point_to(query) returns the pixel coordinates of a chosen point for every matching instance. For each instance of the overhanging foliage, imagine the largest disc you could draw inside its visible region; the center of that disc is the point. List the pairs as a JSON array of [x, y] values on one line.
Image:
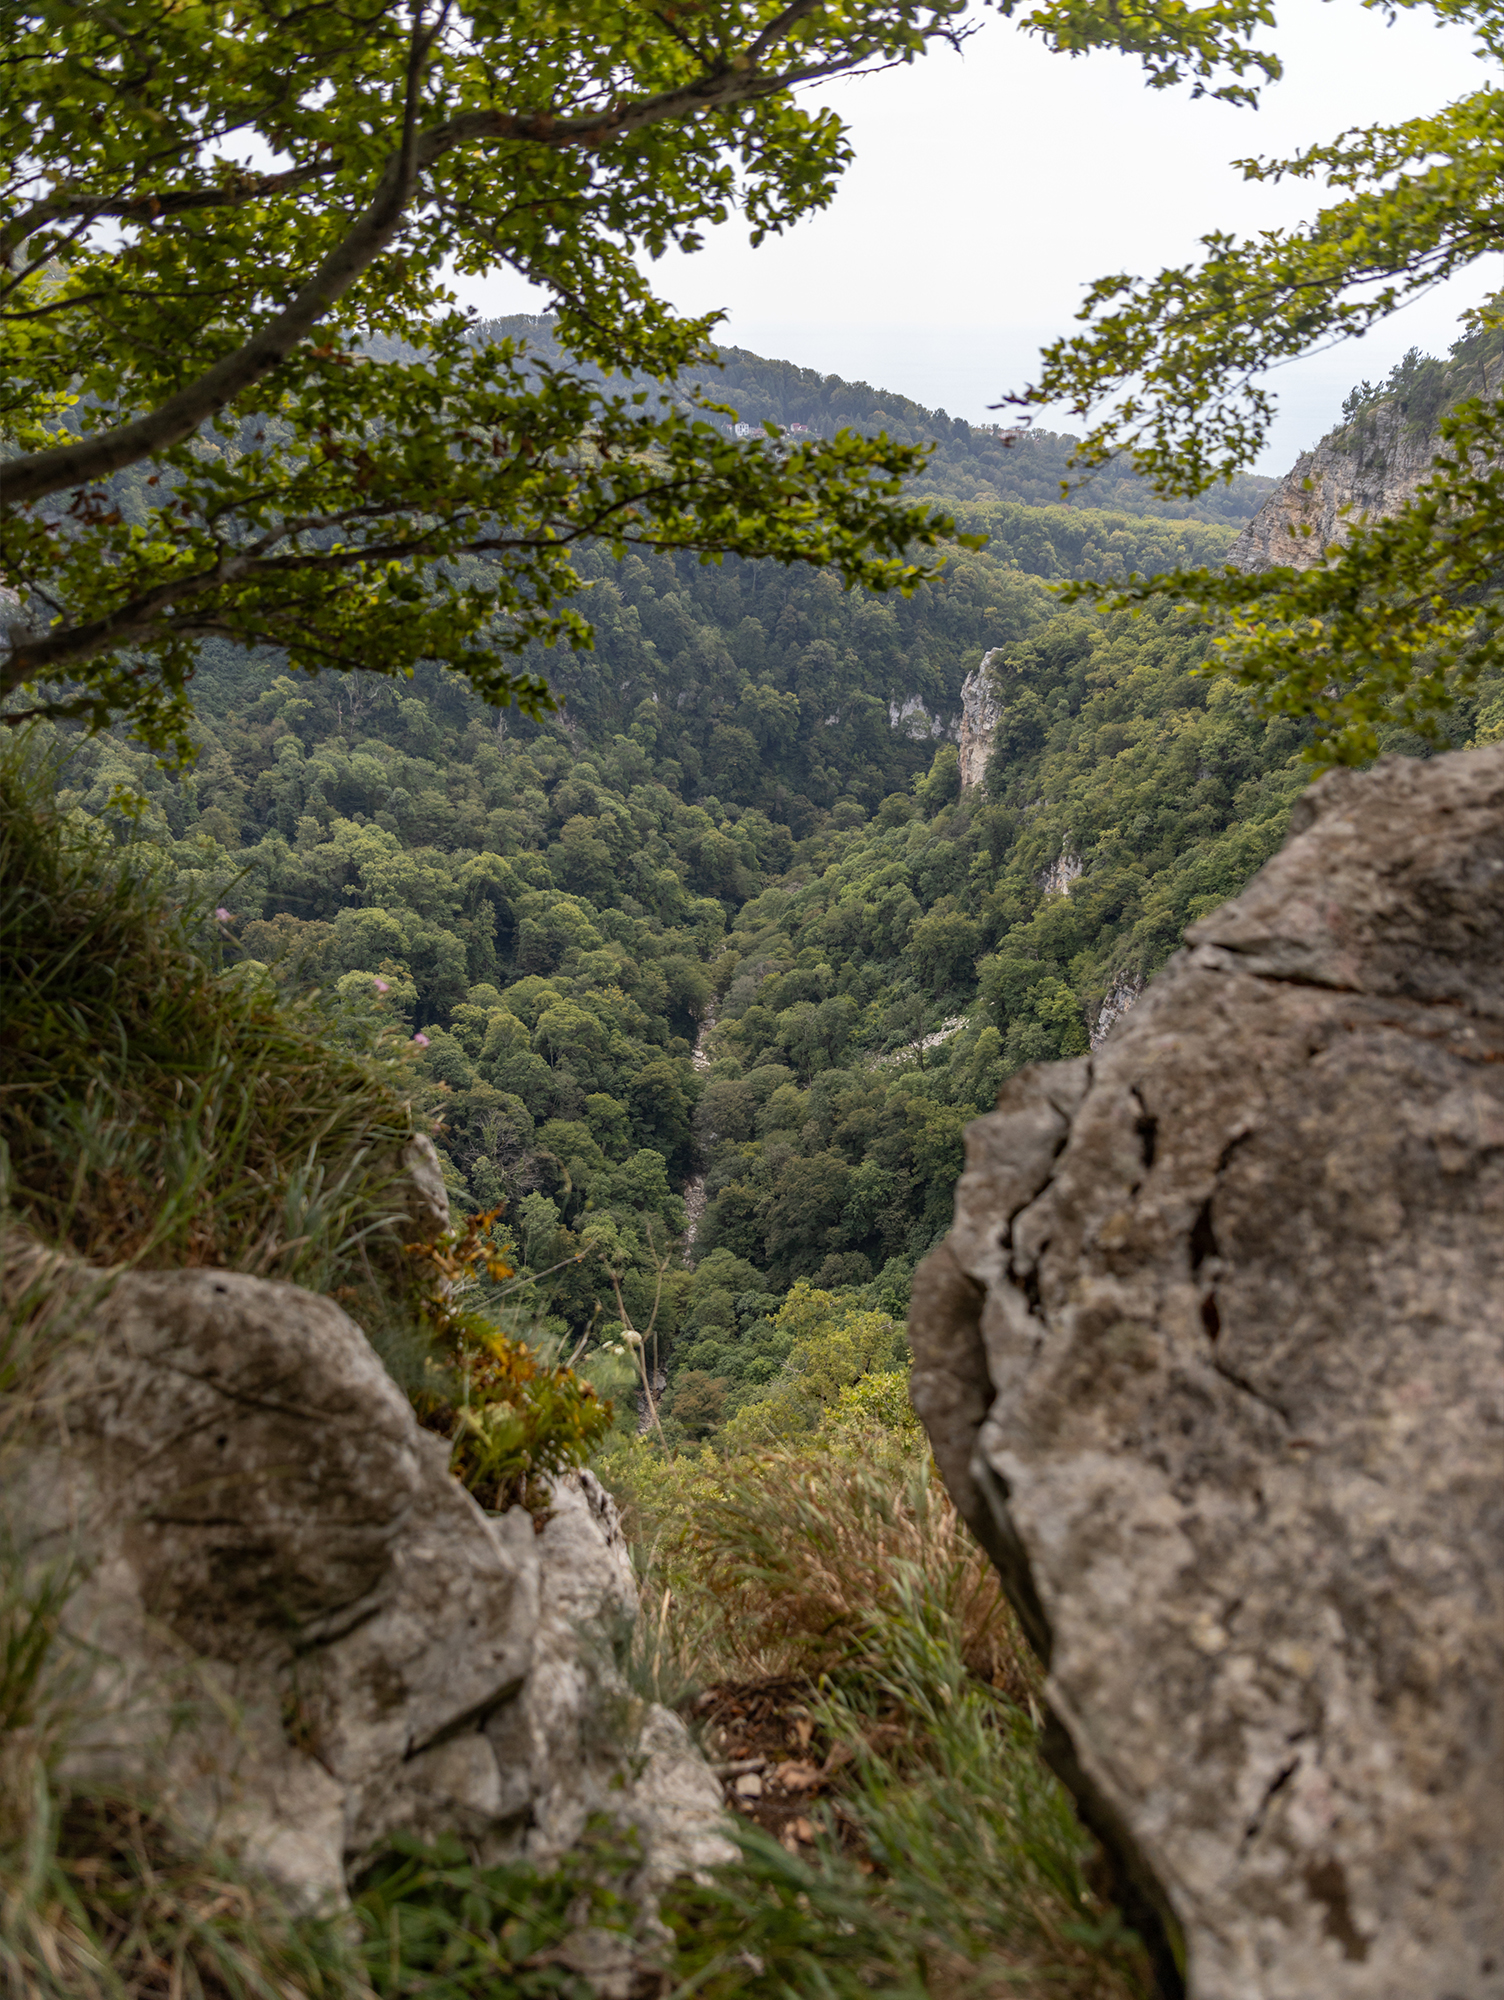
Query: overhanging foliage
[[226, 238], [1173, 366]]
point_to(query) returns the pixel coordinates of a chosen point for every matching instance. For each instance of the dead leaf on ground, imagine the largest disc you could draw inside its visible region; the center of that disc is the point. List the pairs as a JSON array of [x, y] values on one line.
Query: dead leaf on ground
[[797, 1777]]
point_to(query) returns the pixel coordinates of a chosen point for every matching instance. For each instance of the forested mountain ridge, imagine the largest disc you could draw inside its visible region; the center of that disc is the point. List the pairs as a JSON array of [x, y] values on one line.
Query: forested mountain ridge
[[1000, 462]]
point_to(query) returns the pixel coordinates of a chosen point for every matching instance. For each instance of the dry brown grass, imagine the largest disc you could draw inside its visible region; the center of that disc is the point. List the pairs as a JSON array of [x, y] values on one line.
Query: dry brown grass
[[836, 1611], [812, 1556]]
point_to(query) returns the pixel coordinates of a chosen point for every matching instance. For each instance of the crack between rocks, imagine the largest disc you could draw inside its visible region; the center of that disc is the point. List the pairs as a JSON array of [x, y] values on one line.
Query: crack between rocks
[[303, 1647], [1238, 1381], [303, 1412], [1146, 1126], [1362, 993], [1203, 1248], [473, 1718]]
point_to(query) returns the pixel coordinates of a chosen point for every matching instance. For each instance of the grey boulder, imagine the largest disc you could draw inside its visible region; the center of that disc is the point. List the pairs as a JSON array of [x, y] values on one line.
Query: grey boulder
[[1213, 1362], [304, 1634]]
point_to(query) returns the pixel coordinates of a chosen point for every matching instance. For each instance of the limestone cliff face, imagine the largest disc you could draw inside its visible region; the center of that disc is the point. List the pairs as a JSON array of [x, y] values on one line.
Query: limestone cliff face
[[981, 711], [1369, 467], [911, 718]]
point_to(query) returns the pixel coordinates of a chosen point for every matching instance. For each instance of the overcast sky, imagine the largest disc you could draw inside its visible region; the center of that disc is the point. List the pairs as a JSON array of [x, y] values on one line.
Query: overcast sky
[[990, 187]]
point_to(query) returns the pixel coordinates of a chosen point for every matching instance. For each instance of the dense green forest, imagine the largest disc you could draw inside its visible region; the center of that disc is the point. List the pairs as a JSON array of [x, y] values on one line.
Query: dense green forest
[[724, 824], [726, 929]]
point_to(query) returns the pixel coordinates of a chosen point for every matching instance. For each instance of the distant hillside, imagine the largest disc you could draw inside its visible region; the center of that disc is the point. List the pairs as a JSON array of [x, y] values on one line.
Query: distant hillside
[[972, 463]]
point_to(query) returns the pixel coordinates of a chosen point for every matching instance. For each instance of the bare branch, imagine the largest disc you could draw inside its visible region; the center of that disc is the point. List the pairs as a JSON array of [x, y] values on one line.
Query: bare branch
[[639, 1348]]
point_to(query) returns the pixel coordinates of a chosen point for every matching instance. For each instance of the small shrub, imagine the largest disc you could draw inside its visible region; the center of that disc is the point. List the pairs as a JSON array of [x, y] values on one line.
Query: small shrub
[[511, 1419], [878, 1402]]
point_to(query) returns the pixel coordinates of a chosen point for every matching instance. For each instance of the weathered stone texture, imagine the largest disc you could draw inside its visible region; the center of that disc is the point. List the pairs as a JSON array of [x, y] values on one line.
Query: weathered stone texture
[[1213, 1359], [306, 1632], [1366, 469], [981, 711]]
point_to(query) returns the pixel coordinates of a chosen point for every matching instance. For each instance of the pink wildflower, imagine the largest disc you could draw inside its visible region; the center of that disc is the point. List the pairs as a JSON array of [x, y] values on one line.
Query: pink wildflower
[[420, 1041], [223, 914], [381, 986]]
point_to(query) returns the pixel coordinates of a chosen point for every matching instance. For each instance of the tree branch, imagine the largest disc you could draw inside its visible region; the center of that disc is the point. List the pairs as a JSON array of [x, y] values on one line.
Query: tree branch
[[83, 461], [779, 26], [92, 458], [121, 207]]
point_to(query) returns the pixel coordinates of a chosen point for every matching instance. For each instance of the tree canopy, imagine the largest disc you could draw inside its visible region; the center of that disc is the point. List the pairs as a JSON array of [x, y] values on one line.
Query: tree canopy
[[226, 234], [1390, 628]]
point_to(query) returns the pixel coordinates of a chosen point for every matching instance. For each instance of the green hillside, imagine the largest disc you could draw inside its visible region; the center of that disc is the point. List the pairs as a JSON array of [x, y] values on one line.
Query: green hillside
[[726, 932], [732, 818]]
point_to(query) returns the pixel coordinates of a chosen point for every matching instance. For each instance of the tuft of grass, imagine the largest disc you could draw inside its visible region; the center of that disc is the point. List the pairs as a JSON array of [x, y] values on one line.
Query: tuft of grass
[[439, 1925], [157, 1111], [823, 1555], [775, 1926], [795, 1561], [974, 1842]]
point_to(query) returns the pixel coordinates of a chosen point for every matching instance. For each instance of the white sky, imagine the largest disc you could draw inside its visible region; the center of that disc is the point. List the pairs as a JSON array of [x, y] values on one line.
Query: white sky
[[992, 186]]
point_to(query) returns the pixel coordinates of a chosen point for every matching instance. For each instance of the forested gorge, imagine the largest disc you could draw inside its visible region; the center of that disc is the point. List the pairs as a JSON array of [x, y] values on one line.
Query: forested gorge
[[659, 793], [728, 925]]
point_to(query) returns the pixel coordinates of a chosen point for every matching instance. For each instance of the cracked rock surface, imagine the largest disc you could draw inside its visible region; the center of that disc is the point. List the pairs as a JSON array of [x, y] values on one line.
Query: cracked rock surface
[[1213, 1362], [303, 1630]]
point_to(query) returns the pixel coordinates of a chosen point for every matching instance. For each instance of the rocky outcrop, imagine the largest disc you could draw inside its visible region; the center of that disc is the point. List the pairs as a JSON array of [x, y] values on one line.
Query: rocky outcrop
[[1213, 1362], [1062, 871], [1368, 468], [305, 1633], [981, 711], [421, 1184], [1120, 999], [911, 718]]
